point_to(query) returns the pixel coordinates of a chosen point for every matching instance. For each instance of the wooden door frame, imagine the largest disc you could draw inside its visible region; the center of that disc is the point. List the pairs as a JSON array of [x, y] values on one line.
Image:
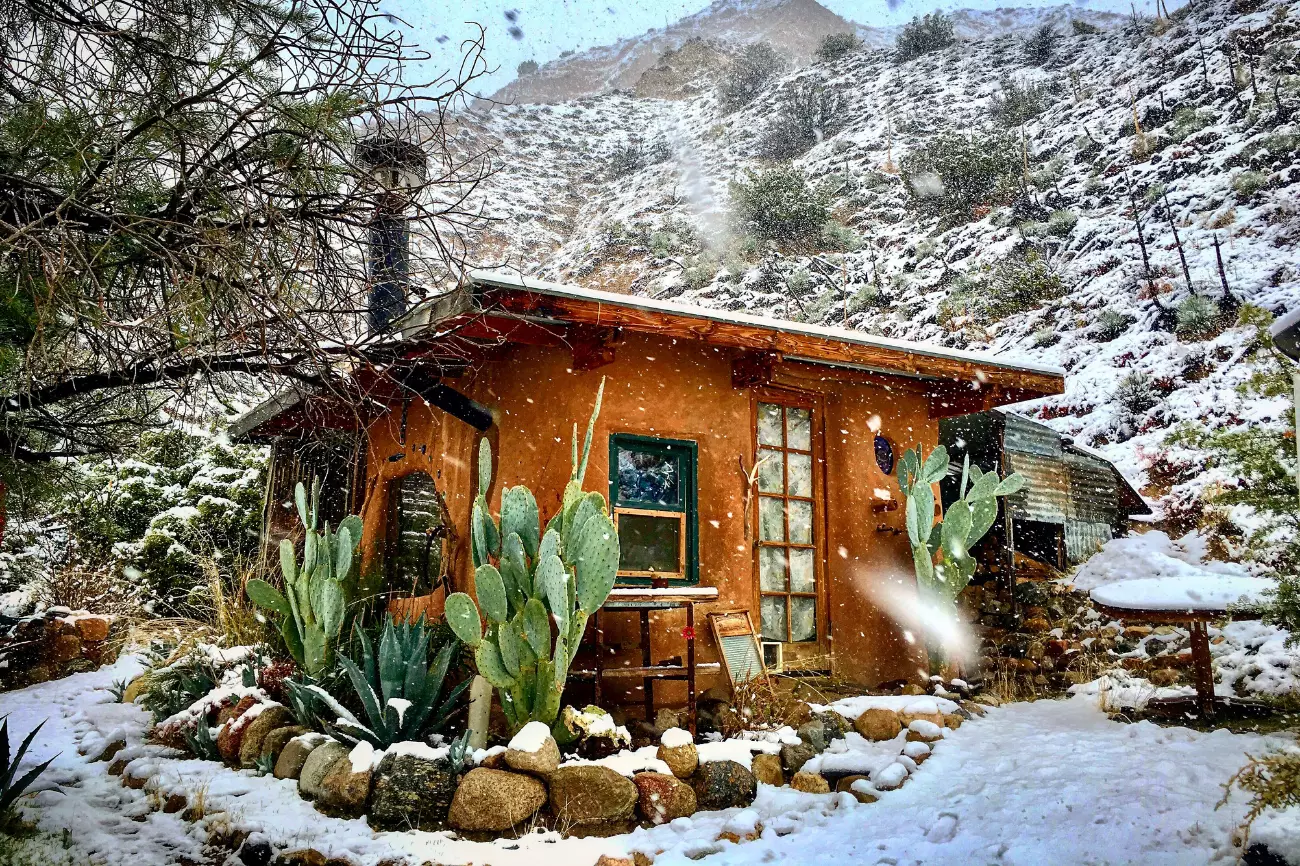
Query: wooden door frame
[[816, 402]]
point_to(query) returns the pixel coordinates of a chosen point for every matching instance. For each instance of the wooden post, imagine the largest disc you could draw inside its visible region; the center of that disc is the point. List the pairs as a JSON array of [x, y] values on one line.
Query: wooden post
[[647, 683], [690, 664], [1204, 667]]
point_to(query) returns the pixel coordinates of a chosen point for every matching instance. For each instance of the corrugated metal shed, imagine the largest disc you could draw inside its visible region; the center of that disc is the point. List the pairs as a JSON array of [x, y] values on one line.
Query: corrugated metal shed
[[1068, 487]]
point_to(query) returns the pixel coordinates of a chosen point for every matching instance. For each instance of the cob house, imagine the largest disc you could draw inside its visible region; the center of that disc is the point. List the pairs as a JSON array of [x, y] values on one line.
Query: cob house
[[745, 459]]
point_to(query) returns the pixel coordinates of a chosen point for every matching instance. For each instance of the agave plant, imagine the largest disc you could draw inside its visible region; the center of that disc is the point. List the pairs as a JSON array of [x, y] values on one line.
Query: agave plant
[[11, 789], [398, 689], [315, 597]]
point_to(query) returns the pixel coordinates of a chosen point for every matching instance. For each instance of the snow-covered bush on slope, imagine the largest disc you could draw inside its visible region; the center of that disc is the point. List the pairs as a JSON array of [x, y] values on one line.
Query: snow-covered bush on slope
[[161, 520]]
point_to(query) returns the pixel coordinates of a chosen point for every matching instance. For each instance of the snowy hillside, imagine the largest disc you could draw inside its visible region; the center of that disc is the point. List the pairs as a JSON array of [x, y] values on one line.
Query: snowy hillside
[[576, 203], [793, 27]]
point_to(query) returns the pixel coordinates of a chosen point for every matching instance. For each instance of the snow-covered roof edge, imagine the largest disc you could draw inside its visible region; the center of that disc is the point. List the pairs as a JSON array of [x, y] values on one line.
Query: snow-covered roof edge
[[515, 280]]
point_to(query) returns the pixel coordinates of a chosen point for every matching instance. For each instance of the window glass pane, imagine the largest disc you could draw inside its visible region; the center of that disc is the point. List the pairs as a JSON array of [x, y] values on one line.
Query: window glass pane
[[418, 558], [800, 522], [798, 429], [800, 474], [769, 424], [771, 569], [647, 476], [650, 543], [803, 618], [770, 476], [771, 519], [802, 576], [772, 616]]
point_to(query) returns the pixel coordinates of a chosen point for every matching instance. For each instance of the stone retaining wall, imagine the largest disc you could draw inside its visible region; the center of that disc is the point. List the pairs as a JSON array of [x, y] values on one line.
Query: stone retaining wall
[[55, 644]]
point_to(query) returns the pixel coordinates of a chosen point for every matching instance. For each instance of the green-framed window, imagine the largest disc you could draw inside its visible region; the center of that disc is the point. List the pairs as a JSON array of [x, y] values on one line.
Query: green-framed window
[[652, 490]]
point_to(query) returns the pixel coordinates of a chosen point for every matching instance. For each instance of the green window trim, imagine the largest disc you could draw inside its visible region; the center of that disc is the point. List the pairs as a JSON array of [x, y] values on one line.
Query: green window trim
[[686, 454]]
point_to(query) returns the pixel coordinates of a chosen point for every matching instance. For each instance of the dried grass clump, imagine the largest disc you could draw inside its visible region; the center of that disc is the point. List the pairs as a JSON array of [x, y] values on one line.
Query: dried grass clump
[[1273, 782]]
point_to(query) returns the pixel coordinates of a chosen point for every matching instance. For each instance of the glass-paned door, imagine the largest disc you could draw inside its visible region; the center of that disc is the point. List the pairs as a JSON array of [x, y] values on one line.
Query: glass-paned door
[[787, 552]]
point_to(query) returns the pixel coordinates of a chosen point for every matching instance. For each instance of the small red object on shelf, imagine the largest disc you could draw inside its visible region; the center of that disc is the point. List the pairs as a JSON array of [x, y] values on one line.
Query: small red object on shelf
[[688, 633]]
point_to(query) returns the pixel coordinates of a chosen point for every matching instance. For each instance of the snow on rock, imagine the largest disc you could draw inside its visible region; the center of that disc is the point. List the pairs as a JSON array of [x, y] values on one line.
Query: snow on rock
[[1206, 592], [674, 737], [853, 707], [926, 728], [363, 757], [627, 762], [740, 751], [890, 776], [531, 737], [1151, 555]]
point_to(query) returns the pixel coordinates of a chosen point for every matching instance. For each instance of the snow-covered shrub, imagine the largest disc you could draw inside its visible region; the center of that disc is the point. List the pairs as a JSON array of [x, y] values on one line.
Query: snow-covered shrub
[[636, 155], [1198, 317], [1083, 28], [1111, 325], [835, 45], [747, 75], [1040, 47], [528, 67], [780, 205], [839, 237], [1248, 183], [1013, 285], [810, 112], [1019, 103], [159, 518], [1061, 223], [1136, 393], [1186, 121], [952, 173], [921, 35]]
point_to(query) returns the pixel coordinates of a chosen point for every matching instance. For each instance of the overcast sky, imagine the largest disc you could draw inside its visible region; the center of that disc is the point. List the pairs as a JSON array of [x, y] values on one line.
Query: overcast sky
[[540, 30]]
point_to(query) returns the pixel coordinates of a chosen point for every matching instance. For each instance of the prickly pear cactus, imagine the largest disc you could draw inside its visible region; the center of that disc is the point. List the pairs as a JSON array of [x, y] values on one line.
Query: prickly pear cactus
[[964, 523], [525, 578], [315, 597]]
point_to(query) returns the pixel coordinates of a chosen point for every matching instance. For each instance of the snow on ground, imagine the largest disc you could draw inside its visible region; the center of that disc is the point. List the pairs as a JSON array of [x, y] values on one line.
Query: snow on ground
[[1207, 592], [1151, 554], [1046, 782]]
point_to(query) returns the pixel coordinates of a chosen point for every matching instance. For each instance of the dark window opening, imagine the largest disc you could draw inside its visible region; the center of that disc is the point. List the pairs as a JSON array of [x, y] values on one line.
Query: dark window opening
[[417, 529], [652, 493]]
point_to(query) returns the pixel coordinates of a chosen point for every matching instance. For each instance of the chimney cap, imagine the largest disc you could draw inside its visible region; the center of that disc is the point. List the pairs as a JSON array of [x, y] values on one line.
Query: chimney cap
[[390, 151]]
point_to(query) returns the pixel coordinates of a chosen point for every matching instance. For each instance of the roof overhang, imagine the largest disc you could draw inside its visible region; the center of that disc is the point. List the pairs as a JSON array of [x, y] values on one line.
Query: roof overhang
[[494, 308]]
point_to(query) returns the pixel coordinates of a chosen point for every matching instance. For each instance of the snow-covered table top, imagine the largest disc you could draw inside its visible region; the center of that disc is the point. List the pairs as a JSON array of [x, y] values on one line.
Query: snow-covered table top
[[1205, 594]]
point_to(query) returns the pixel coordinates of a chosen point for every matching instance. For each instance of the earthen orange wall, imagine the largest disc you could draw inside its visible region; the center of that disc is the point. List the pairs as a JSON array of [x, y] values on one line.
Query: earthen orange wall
[[677, 390]]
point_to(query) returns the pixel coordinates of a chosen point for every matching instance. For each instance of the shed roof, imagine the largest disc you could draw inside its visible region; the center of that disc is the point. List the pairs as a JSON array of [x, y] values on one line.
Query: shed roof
[[495, 307]]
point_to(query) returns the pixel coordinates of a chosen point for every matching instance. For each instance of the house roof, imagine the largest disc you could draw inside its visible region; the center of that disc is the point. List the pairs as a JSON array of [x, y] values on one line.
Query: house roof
[[495, 307]]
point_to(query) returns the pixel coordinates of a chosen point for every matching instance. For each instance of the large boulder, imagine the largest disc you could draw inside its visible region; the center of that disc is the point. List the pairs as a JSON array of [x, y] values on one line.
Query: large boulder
[[677, 750], [495, 800], [810, 783], [663, 797], [346, 786], [318, 765], [723, 784], [234, 720], [878, 724], [533, 750], [591, 794], [295, 753], [793, 757], [863, 792], [814, 735], [411, 791], [273, 743], [250, 744], [767, 769], [835, 725]]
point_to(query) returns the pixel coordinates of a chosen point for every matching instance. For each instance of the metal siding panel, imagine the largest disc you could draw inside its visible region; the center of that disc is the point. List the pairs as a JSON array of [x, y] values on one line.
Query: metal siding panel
[[1083, 539], [1046, 490], [1031, 438], [1093, 497]]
